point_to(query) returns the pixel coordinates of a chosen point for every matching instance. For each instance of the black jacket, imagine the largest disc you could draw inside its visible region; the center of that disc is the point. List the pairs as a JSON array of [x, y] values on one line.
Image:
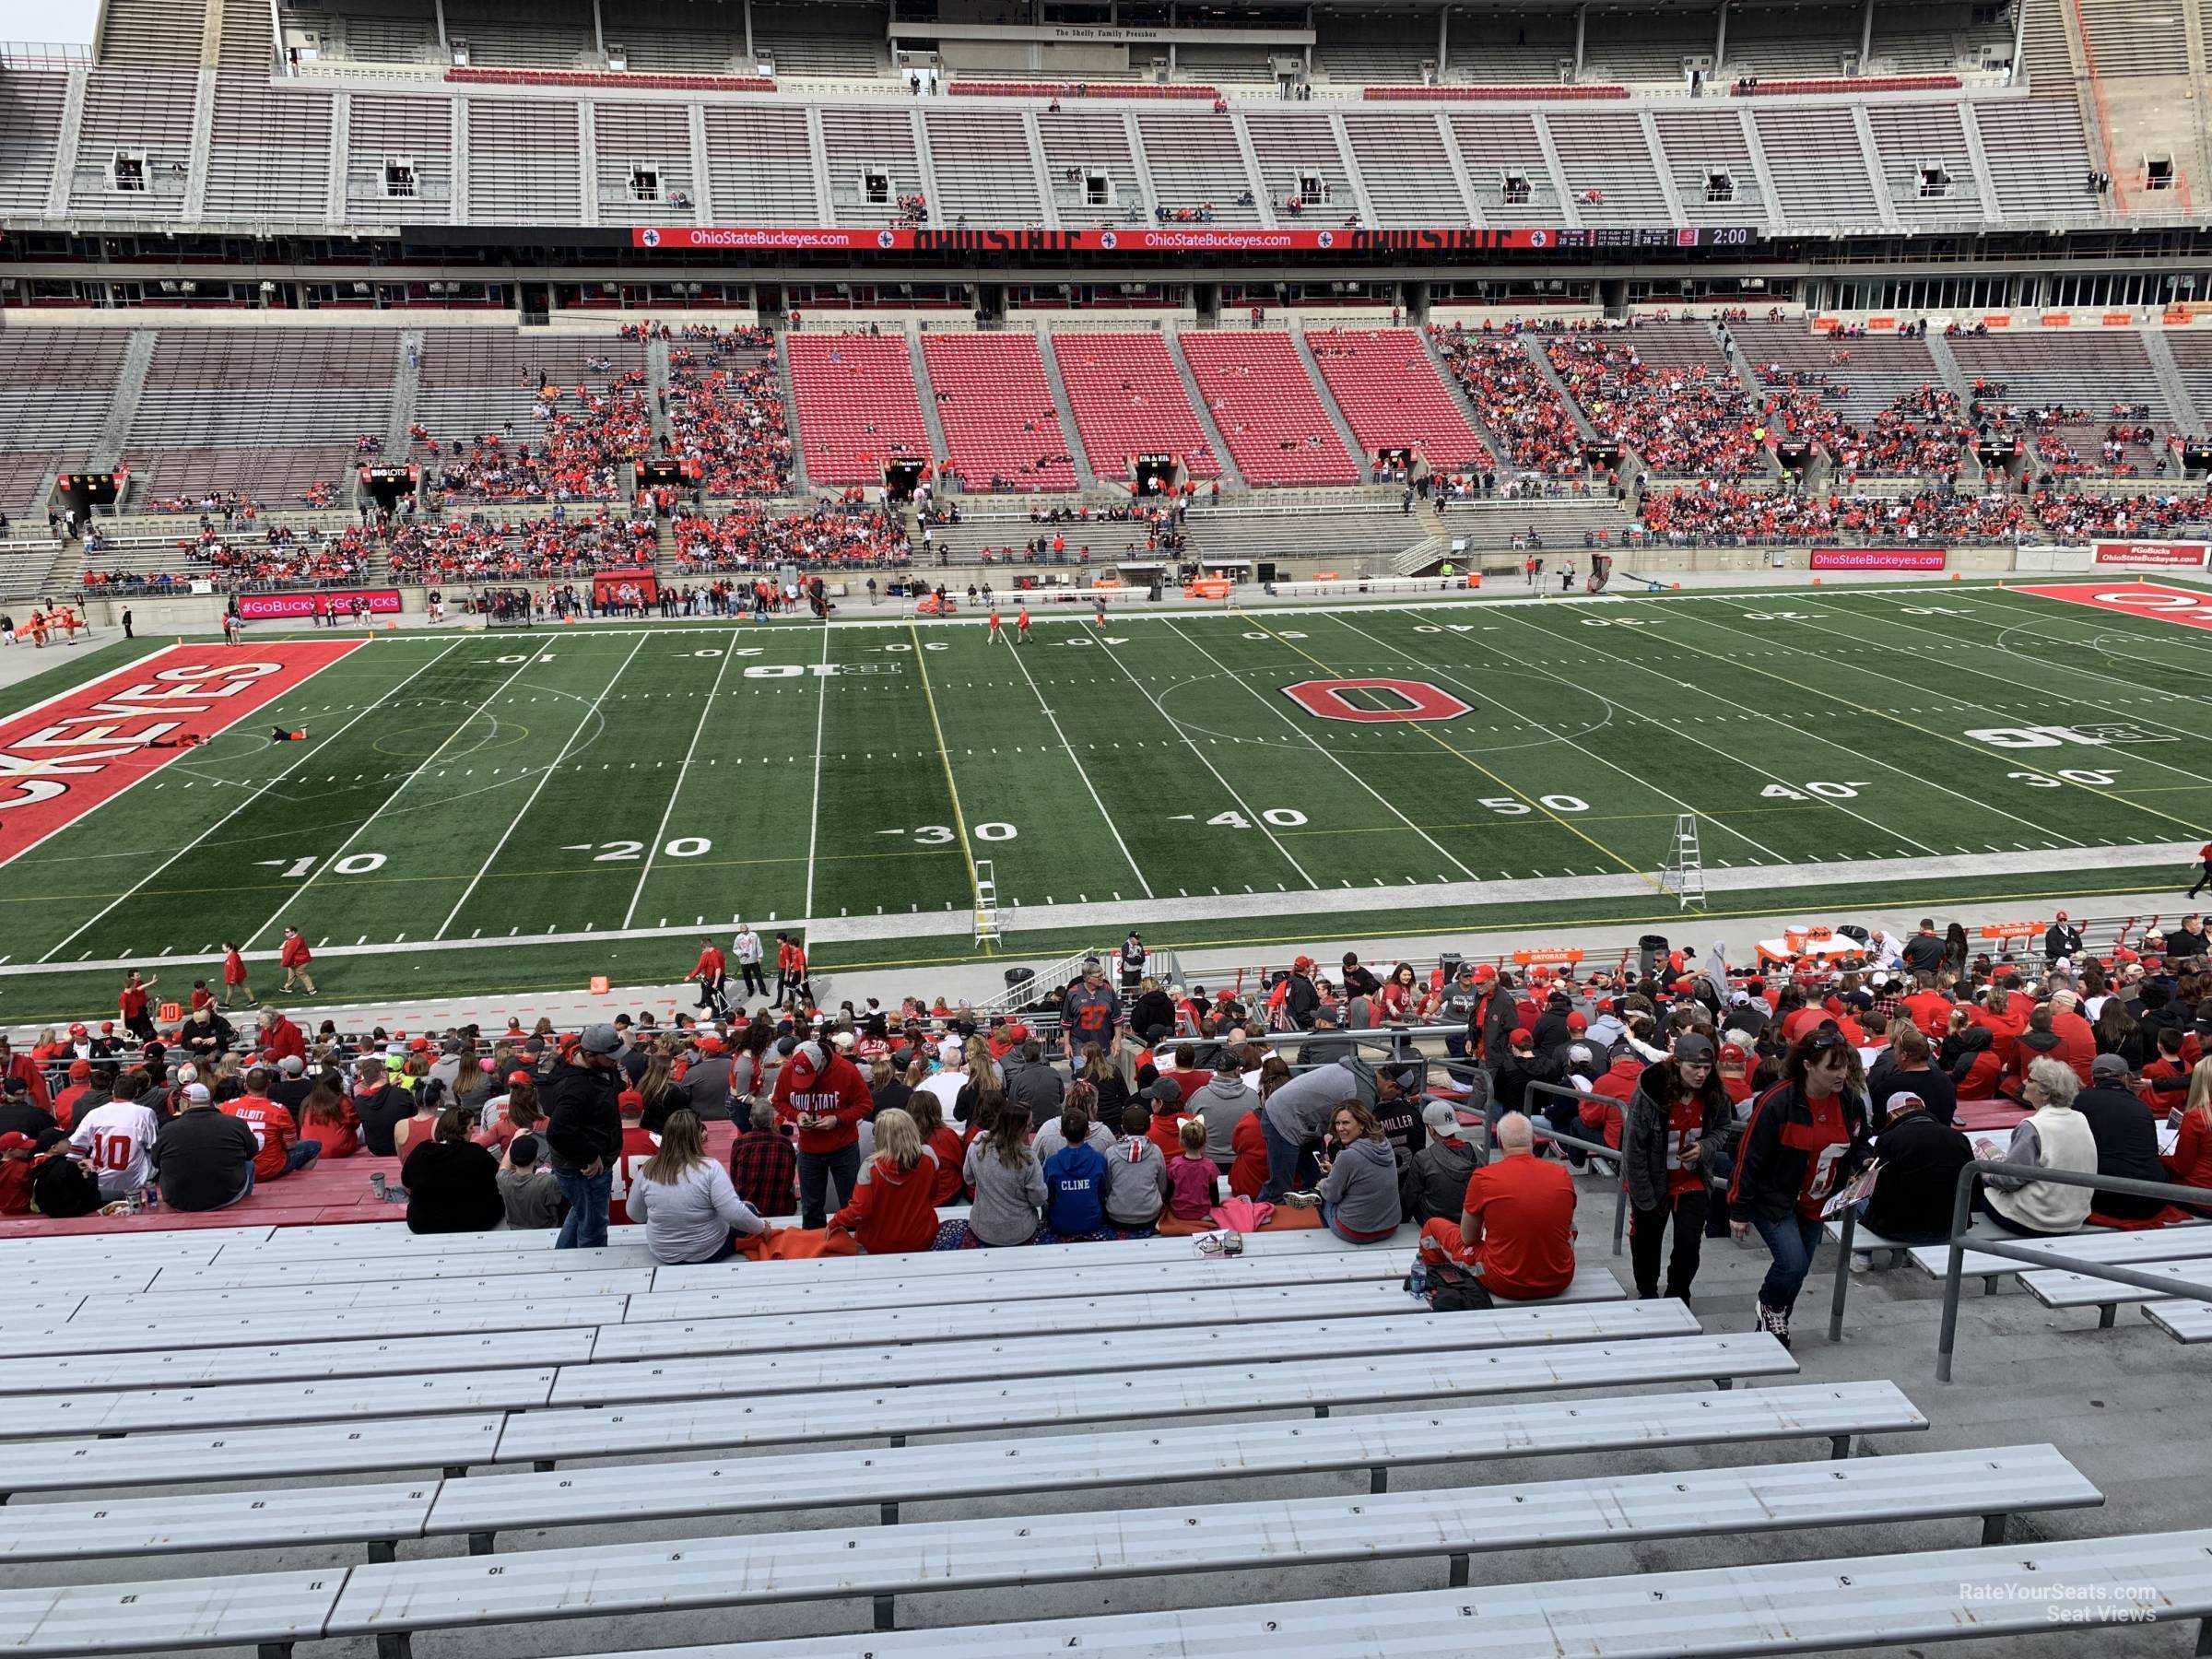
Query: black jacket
[[2062, 939], [453, 1186], [2127, 1145], [1770, 1172], [1154, 1011], [1644, 1130], [1924, 953], [1919, 1179], [1886, 1077], [1300, 999], [381, 1113], [583, 1122], [1500, 1015]]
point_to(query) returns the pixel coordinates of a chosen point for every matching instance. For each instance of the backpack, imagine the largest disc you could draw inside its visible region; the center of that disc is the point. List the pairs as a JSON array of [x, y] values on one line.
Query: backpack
[[62, 1187], [1454, 1289]]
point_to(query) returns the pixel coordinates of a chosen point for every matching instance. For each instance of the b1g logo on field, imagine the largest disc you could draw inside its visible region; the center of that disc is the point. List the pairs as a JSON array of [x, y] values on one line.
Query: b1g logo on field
[[2054, 736], [1375, 701]]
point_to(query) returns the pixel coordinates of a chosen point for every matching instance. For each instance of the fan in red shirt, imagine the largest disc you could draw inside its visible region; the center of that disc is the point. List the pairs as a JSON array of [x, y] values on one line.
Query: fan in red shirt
[[892, 1208], [293, 957], [275, 1132], [1931, 1010], [636, 1146], [66, 1102], [13, 1064], [280, 1038], [1734, 1070], [1517, 1226]]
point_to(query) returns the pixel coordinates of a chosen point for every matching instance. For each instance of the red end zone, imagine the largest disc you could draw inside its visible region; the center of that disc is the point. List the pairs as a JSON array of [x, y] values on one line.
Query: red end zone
[[2192, 607], [72, 753]]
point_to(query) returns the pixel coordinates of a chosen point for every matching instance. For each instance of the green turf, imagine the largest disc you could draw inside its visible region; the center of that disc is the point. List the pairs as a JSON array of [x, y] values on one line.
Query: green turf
[[1157, 762]]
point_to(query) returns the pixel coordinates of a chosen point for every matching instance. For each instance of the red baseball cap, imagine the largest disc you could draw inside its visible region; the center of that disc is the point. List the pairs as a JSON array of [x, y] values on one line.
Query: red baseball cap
[[107, 1028], [629, 1099], [1484, 972], [78, 1030], [1522, 1036], [15, 1140], [1303, 964], [1576, 1021], [80, 1068], [1017, 1034], [1732, 1053], [517, 1076]]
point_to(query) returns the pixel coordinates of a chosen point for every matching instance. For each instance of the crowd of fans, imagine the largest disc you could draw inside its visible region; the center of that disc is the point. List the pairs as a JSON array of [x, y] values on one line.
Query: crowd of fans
[[725, 411], [1723, 1096], [1727, 514], [1516, 402], [588, 444], [1684, 419], [481, 550], [754, 536]]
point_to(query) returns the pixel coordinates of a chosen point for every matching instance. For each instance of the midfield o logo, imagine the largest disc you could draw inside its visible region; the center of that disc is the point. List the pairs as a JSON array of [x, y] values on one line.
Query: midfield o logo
[[1379, 702]]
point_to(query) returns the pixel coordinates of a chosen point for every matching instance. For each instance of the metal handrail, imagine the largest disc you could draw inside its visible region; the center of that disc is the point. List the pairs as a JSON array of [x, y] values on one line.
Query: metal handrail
[[1962, 1214]]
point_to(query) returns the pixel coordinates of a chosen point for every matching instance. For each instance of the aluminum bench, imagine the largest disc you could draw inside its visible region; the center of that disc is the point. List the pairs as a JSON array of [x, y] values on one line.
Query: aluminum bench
[[299, 1361], [154, 1329], [2183, 1319], [928, 1322], [160, 1410], [246, 1274], [543, 1436], [391, 1601], [1845, 1603], [2065, 1290], [186, 1306], [1414, 1330], [2129, 1249], [779, 1294], [373, 1447]]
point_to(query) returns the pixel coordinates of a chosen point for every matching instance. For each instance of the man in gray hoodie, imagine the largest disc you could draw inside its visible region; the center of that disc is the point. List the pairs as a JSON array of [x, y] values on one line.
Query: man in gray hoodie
[[1296, 1113], [1223, 1104], [1029, 1080]]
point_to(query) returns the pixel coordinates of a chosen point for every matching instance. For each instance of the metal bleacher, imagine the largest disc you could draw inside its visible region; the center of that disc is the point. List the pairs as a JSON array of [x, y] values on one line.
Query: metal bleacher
[[577, 1354], [1196, 162]]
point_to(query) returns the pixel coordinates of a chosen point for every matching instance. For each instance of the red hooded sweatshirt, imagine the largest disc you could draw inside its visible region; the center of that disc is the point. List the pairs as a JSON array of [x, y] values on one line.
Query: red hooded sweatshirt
[[834, 1090]]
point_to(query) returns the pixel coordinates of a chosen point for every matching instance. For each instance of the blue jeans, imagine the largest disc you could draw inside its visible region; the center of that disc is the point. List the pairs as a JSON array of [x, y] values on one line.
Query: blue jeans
[[1284, 1158], [588, 1196], [816, 1169], [1793, 1241], [298, 1156]]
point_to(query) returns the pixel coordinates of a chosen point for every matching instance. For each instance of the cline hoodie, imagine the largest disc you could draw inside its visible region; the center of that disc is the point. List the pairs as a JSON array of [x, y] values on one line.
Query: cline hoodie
[[811, 1086]]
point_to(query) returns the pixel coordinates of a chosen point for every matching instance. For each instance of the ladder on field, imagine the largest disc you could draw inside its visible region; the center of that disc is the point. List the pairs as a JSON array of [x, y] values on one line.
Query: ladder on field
[[1684, 874], [986, 903]]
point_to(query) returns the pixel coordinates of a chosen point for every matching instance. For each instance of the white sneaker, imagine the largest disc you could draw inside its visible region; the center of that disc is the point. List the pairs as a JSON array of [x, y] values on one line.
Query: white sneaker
[[1774, 1323], [1861, 1263]]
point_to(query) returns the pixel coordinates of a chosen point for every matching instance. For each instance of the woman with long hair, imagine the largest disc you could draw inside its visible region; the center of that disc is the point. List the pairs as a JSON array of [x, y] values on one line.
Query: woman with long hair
[[1103, 1076], [690, 1211], [1007, 1181], [328, 1116], [891, 1210], [887, 1089], [1360, 1199], [658, 1089], [1806, 1137], [418, 1130], [2190, 1162], [2117, 1033], [453, 1184], [1401, 993], [1954, 950], [1678, 1115], [927, 1113]]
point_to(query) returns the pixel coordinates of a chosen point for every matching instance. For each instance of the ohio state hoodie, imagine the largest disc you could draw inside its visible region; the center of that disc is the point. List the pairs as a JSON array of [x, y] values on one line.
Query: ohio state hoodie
[[814, 1084]]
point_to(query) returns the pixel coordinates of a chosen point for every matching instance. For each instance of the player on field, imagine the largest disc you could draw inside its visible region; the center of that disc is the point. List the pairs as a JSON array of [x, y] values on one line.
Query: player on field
[[1022, 625], [1098, 611], [231, 627], [2203, 878], [999, 630], [279, 734]]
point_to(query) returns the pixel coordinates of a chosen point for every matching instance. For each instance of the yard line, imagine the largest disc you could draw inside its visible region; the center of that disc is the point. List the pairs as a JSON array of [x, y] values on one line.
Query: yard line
[[1256, 817], [2164, 694], [661, 834], [959, 822], [1315, 746], [1466, 760], [1593, 755], [1105, 816], [530, 659], [1676, 682], [814, 819], [539, 788], [249, 801]]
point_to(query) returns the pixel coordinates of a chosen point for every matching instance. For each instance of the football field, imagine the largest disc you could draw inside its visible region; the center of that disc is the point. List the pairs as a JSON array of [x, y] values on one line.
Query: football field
[[608, 791]]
